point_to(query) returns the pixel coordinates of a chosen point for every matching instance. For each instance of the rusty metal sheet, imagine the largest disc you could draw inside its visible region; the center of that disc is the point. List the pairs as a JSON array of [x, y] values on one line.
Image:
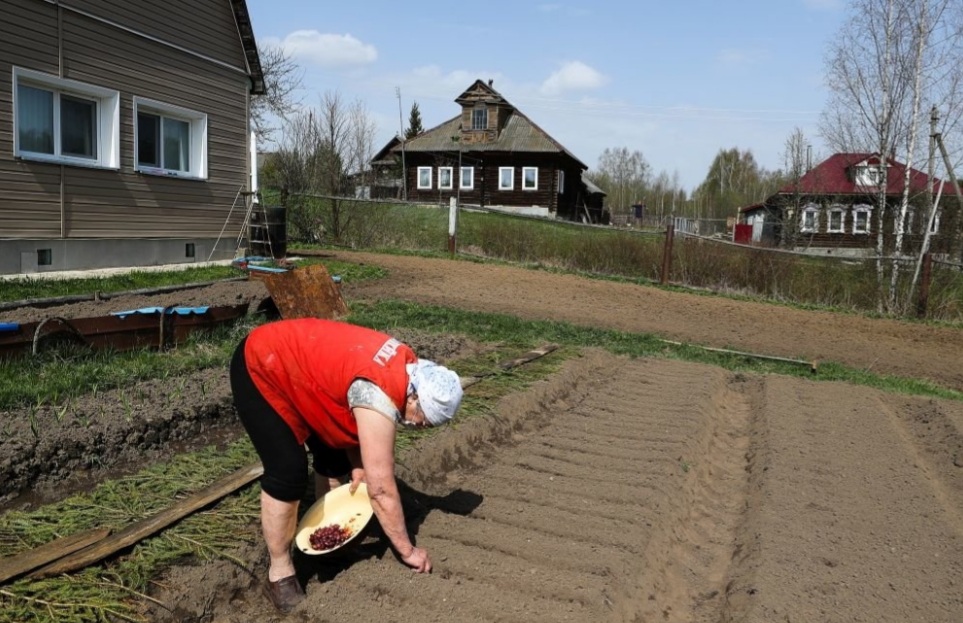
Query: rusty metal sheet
[[120, 333], [305, 292]]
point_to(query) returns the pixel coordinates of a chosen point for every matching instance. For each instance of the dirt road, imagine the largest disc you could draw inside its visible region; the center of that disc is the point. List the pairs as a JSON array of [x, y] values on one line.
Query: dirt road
[[650, 490]]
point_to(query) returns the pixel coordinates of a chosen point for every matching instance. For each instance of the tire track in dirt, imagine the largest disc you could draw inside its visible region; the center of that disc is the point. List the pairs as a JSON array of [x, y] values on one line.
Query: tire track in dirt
[[916, 442]]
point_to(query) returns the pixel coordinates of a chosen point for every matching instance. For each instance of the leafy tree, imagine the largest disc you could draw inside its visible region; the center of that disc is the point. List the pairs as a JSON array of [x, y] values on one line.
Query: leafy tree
[[734, 180], [414, 122]]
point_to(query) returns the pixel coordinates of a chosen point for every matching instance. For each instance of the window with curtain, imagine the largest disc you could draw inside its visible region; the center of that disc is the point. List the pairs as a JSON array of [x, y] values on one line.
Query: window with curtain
[[170, 140], [65, 121]]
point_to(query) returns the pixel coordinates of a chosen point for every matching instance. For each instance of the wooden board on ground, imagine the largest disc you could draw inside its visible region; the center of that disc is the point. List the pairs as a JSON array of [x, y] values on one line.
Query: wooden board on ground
[[305, 292]]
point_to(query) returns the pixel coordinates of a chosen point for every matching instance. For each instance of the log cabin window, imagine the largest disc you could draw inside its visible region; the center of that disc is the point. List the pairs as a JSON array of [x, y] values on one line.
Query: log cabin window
[[561, 182], [445, 178], [506, 178], [809, 219], [861, 214], [529, 178], [479, 117], [424, 178], [467, 180], [836, 223], [908, 221], [64, 121], [169, 140], [935, 226]]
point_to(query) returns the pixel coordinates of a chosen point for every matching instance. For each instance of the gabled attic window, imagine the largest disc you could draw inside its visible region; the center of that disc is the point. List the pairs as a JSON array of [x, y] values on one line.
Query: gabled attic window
[[479, 117], [870, 175]]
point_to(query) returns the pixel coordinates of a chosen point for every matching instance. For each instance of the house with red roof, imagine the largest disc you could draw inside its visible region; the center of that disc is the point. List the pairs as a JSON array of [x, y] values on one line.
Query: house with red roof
[[834, 208], [492, 155]]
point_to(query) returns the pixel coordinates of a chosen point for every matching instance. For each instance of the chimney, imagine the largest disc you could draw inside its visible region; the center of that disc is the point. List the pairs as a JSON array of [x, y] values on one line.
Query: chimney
[[490, 80]]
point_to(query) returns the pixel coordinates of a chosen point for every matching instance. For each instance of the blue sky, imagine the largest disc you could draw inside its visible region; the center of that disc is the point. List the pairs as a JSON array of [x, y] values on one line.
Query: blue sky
[[676, 80]]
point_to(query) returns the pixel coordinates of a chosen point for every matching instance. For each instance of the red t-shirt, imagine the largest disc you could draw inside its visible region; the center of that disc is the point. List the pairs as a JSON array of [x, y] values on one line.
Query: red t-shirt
[[304, 367]]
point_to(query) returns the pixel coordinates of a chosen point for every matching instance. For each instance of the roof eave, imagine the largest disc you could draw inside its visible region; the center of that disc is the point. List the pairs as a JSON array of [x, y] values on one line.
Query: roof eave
[[246, 33]]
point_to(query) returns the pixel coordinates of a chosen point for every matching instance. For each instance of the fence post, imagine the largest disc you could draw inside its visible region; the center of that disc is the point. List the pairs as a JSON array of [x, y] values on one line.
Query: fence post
[[667, 254], [452, 223], [925, 278]]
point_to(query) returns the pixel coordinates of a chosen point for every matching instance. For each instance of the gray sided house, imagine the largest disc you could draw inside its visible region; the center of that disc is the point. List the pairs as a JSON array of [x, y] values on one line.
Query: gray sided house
[[492, 155], [834, 209], [124, 131]]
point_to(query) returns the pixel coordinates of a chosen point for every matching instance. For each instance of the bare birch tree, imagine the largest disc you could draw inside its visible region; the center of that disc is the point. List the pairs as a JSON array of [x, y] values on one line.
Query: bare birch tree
[[891, 58]]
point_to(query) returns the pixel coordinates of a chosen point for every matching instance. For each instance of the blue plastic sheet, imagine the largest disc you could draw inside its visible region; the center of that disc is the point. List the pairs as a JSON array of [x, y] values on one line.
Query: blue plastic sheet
[[182, 311]]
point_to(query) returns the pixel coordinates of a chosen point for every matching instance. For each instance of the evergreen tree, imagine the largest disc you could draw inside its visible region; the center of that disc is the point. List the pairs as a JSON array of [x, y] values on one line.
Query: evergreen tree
[[414, 122]]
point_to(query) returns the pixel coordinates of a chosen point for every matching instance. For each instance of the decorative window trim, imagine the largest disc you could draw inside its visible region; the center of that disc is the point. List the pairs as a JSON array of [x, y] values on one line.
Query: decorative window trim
[[935, 229], [525, 183], [871, 175], [107, 115], [501, 178], [422, 171], [442, 183], [841, 228], [197, 138], [470, 183], [868, 211], [908, 221], [808, 209]]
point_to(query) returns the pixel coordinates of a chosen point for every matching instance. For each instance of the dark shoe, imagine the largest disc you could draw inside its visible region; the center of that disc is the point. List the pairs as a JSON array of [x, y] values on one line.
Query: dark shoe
[[285, 593]]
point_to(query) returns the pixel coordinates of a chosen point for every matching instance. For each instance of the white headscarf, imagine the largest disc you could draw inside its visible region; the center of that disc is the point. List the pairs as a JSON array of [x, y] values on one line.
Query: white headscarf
[[438, 388]]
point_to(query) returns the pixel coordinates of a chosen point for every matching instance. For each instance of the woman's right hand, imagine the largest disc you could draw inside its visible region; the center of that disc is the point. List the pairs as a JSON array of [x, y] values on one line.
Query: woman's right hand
[[418, 560]]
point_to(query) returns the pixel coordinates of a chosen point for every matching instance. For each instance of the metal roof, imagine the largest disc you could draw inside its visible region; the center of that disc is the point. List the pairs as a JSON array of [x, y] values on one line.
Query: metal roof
[[519, 135]]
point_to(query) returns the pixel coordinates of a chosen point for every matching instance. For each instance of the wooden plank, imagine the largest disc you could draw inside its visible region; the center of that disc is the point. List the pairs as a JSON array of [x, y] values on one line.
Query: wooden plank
[[12, 567], [143, 529], [514, 363]]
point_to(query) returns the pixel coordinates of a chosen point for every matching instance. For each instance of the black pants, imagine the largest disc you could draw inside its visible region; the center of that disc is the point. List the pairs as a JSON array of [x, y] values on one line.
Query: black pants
[[285, 460]]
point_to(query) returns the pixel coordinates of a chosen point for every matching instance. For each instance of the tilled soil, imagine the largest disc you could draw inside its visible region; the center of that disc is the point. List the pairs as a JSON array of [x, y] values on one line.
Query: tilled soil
[[649, 490]]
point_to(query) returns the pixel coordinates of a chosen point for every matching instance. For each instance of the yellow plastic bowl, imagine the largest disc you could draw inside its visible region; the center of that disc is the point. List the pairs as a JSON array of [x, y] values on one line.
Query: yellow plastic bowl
[[338, 506]]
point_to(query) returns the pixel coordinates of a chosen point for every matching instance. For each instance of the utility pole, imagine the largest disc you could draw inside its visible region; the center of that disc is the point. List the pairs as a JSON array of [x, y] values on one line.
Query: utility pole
[[404, 168]]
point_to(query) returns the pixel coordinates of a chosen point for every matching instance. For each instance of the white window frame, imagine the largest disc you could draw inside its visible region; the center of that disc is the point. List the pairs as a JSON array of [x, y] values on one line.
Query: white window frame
[[561, 182], [525, 171], [813, 209], [197, 124], [871, 176], [470, 185], [479, 109], [935, 229], [841, 211], [441, 178], [107, 134], [908, 221], [421, 173], [511, 180], [868, 211]]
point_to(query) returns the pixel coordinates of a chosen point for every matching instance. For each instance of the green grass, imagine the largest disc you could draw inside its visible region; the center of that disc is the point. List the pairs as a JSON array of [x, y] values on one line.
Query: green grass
[[35, 288]]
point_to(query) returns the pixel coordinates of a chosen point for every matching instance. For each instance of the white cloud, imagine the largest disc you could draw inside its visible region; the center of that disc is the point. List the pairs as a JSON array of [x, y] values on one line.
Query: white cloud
[[573, 76], [549, 8], [328, 50]]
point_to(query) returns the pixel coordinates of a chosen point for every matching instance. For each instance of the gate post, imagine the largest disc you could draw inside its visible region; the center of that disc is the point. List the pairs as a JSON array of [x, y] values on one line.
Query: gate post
[[925, 278], [667, 254]]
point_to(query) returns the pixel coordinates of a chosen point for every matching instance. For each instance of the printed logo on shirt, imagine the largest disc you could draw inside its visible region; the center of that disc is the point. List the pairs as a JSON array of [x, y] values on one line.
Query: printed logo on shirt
[[388, 350]]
